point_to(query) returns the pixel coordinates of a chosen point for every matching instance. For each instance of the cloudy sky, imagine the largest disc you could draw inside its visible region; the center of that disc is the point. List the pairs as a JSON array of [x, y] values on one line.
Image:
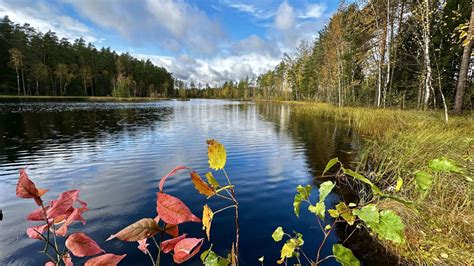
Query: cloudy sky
[[207, 41]]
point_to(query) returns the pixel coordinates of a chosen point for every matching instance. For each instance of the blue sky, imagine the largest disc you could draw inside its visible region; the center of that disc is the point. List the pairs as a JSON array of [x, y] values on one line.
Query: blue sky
[[207, 41]]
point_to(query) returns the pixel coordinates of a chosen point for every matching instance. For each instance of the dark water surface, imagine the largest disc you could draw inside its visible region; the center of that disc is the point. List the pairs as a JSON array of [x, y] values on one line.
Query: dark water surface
[[115, 153]]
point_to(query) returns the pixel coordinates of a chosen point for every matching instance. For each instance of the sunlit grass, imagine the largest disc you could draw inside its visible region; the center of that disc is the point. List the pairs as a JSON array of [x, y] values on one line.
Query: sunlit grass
[[398, 144]]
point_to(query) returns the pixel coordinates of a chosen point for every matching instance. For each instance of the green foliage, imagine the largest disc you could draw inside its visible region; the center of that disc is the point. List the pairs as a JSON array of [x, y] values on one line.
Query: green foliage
[[375, 189], [369, 214], [330, 164], [423, 180], [344, 255], [324, 190], [289, 248], [443, 165], [390, 227], [210, 258], [303, 194], [319, 209]]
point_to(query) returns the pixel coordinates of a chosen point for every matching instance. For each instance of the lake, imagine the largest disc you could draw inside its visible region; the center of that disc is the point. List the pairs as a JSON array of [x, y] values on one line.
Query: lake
[[116, 153]]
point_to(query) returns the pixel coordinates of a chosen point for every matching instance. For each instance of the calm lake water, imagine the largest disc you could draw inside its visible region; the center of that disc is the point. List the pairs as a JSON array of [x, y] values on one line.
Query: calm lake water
[[116, 153]]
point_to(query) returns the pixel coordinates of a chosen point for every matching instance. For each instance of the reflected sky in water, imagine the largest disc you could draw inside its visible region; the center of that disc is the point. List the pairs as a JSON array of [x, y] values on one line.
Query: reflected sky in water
[[115, 153]]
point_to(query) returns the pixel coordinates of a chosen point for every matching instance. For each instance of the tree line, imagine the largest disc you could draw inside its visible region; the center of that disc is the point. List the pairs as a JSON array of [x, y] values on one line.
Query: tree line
[[36, 63], [383, 53]]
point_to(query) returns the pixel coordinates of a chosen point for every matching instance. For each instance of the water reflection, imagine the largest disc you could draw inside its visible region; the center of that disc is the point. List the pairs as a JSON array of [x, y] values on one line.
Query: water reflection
[[115, 153]]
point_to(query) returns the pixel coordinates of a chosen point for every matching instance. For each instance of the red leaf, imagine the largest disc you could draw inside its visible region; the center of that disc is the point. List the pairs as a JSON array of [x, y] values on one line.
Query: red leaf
[[168, 245], [186, 249], [74, 216], [37, 215], [81, 245], [163, 179], [32, 232], [139, 230], [49, 263], [64, 203], [172, 210], [143, 245], [105, 260], [172, 230], [26, 189]]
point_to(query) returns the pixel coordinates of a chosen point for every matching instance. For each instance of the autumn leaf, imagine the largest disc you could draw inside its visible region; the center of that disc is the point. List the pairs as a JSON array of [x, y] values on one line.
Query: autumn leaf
[[143, 245], [67, 260], [172, 230], [168, 245], [74, 216], [64, 203], [207, 216], [186, 249], [26, 189], [212, 180], [139, 230], [37, 215], [50, 263], [105, 260], [201, 186], [81, 245], [163, 179], [172, 210], [34, 232], [216, 154]]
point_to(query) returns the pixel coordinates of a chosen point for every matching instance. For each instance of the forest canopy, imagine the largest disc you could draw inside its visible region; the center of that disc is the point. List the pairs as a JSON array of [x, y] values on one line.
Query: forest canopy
[[36, 63]]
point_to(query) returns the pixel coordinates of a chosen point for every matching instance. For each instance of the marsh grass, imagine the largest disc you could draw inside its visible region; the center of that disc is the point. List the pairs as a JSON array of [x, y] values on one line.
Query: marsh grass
[[398, 143]]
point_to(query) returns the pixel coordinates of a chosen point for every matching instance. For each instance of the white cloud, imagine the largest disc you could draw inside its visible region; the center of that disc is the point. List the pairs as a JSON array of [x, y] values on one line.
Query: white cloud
[[215, 70], [312, 11], [285, 17], [174, 25], [44, 17]]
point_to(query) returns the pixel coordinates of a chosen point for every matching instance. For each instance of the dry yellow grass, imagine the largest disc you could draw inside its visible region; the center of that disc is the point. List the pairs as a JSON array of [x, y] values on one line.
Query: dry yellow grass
[[402, 142]]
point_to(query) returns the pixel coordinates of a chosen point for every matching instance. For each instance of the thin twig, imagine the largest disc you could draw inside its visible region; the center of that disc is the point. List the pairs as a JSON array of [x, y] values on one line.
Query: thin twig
[[225, 208]]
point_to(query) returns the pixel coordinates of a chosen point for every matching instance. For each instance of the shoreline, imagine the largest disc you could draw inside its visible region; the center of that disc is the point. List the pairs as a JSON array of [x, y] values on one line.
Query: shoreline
[[82, 98]]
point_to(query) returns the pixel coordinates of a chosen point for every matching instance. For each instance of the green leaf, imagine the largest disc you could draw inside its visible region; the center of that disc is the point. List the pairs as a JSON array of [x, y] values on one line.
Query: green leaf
[[423, 180], [303, 194], [399, 184], [305, 191], [390, 227], [444, 165], [369, 214], [334, 213], [363, 179], [261, 258], [330, 164], [210, 258], [288, 249], [324, 190], [297, 204], [211, 180], [278, 234], [319, 209], [345, 213], [344, 255]]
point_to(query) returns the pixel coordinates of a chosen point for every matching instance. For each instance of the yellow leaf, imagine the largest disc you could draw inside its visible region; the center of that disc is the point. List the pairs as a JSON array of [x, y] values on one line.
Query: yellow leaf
[[217, 154], [202, 186], [207, 216]]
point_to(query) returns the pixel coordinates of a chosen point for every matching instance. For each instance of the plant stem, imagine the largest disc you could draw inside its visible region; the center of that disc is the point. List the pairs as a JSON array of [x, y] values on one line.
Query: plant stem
[[237, 228], [326, 235], [225, 208]]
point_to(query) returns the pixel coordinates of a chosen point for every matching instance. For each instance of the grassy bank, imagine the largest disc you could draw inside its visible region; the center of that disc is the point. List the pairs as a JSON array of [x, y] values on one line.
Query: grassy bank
[[398, 144], [79, 98]]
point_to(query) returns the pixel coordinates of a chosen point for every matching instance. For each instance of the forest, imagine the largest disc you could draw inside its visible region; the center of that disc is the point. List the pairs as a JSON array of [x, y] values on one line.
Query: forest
[[36, 63], [398, 53]]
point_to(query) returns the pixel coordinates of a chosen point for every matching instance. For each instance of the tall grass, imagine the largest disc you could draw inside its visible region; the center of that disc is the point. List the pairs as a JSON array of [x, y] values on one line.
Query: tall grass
[[398, 144]]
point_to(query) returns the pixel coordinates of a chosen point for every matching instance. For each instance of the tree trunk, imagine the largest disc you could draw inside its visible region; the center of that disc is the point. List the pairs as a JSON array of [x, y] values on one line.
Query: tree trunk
[[18, 80], [426, 51], [22, 78], [465, 62]]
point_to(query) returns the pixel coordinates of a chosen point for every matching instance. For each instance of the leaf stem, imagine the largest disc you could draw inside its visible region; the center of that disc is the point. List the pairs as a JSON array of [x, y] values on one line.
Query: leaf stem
[[225, 208]]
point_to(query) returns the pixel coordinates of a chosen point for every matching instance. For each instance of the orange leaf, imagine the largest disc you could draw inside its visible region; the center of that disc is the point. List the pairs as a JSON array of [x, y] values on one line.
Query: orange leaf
[[26, 189], [139, 230], [168, 245], [74, 216], [207, 215], [105, 260], [172, 210], [163, 179], [201, 186], [186, 249], [34, 232], [67, 260], [49, 263], [81, 245]]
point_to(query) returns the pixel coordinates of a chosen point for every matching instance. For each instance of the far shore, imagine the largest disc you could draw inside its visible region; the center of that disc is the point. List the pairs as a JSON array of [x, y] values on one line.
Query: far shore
[[83, 98]]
